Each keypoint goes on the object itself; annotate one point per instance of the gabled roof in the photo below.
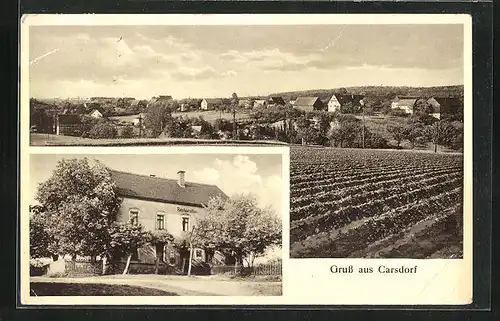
(306, 101)
(278, 100)
(213, 101)
(163, 190)
(347, 98)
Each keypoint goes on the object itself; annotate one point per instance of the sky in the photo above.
(233, 174)
(215, 61)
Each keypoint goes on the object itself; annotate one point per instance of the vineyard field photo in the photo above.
(361, 203)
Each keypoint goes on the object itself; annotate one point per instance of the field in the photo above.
(61, 140)
(375, 203)
(208, 115)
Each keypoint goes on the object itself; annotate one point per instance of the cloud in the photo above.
(229, 73)
(241, 176)
(190, 73)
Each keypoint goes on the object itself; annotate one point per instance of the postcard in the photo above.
(244, 159)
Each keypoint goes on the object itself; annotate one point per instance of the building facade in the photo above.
(160, 204)
(333, 104)
(405, 104)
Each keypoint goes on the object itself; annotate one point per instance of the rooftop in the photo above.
(163, 190)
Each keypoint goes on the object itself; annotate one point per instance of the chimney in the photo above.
(181, 181)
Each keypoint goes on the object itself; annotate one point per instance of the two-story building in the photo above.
(163, 204)
(338, 101)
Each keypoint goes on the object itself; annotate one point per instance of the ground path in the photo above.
(182, 285)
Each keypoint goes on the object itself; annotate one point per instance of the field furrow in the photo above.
(348, 203)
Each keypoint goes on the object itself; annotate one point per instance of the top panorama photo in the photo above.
(349, 86)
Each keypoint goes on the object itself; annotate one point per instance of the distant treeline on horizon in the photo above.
(378, 91)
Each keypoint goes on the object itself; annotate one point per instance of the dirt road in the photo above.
(182, 285)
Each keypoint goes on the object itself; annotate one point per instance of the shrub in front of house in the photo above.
(37, 267)
(127, 132)
(103, 130)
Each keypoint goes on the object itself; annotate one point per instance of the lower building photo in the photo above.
(155, 225)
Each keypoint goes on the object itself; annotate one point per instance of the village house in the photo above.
(96, 114)
(210, 103)
(259, 103)
(445, 105)
(338, 101)
(245, 103)
(404, 103)
(172, 205)
(276, 101)
(309, 104)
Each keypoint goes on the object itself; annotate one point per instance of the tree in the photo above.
(158, 239)
(158, 113)
(305, 132)
(345, 131)
(124, 239)
(240, 226)
(413, 131)
(234, 104)
(398, 132)
(422, 107)
(40, 239)
(449, 134)
(81, 203)
(127, 132)
(103, 130)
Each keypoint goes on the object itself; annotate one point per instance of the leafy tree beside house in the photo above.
(240, 226)
(80, 206)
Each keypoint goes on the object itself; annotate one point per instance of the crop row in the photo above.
(308, 205)
(333, 244)
(330, 216)
(350, 186)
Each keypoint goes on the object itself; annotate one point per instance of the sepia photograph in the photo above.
(380, 170)
(357, 163)
(155, 225)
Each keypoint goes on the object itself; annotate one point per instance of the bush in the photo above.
(103, 130)
(127, 132)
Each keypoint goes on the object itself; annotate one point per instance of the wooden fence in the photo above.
(86, 268)
(264, 269)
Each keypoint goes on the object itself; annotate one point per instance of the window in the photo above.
(185, 224)
(160, 221)
(198, 254)
(134, 216)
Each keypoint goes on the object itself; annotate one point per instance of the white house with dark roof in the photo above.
(163, 204)
(404, 103)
